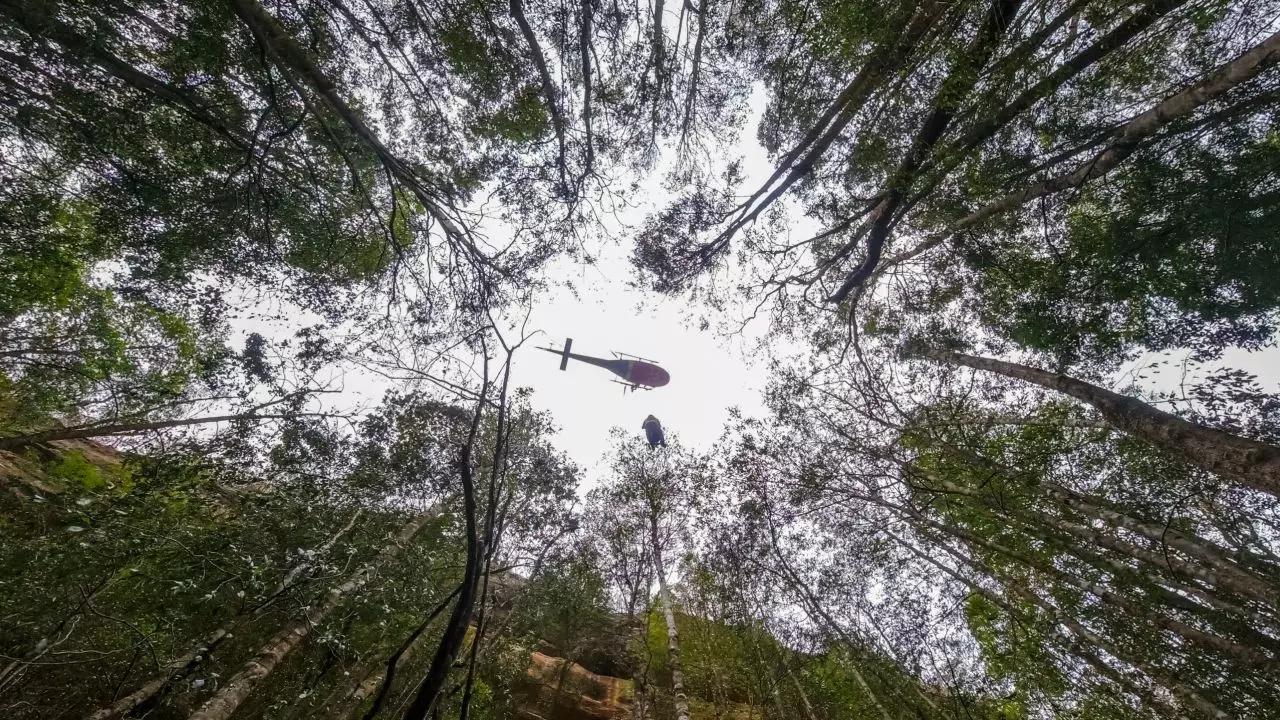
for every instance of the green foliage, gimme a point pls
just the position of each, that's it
(75, 469)
(1180, 252)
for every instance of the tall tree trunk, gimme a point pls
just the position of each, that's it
(880, 65)
(804, 697)
(952, 91)
(1192, 545)
(382, 681)
(1252, 463)
(1243, 585)
(1124, 142)
(1171, 683)
(455, 631)
(548, 86)
(816, 612)
(238, 687)
(183, 665)
(984, 130)
(122, 428)
(288, 54)
(1134, 608)
(673, 634)
(1127, 138)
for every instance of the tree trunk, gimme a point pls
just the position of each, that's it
(1127, 138)
(548, 85)
(1245, 655)
(182, 665)
(804, 697)
(1242, 585)
(1190, 545)
(957, 86)
(1245, 586)
(426, 700)
(815, 608)
(238, 687)
(1172, 684)
(673, 635)
(121, 428)
(982, 131)
(882, 63)
(1252, 463)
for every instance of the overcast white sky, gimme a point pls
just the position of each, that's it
(708, 376)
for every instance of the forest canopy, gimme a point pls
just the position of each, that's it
(1001, 261)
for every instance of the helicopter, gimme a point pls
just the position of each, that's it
(639, 373)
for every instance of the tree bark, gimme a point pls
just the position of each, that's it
(1127, 138)
(1250, 462)
(181, 665)
(673, 634)
(238, 687)
(1172, 684)
(122, 428)
(177, 667)
(1190, 545)
(1245, 655)
(285, 51)
(1243, 585)
(548, 86)
(980, 132)
(455, 630)
(957, 86)
(383, 680)
(686, 124)
(881, 64)
(815, 608)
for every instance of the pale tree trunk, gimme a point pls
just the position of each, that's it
(168, 674)
(291, 57)
(1084, 652)
(1242, 584)
(238, 687)
(1172, 684)
(1174, 593)
(1245, 585)
(1127, 138)
(982, 131)
(804, 697)
(815, 608)
(1252, 463)
(1245, 655)
(769, 675)
(1190, 545)
(184, 664)
(1123, 144)
(123, 428)
(673, 635)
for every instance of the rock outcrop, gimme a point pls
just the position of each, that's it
(558, 689)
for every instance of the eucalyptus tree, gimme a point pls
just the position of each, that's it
(649, 499)
(169, 167)
(254, 582)
(1098, 570)
(208, 558)
(1003, 165)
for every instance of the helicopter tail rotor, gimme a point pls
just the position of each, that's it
(564, 358)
